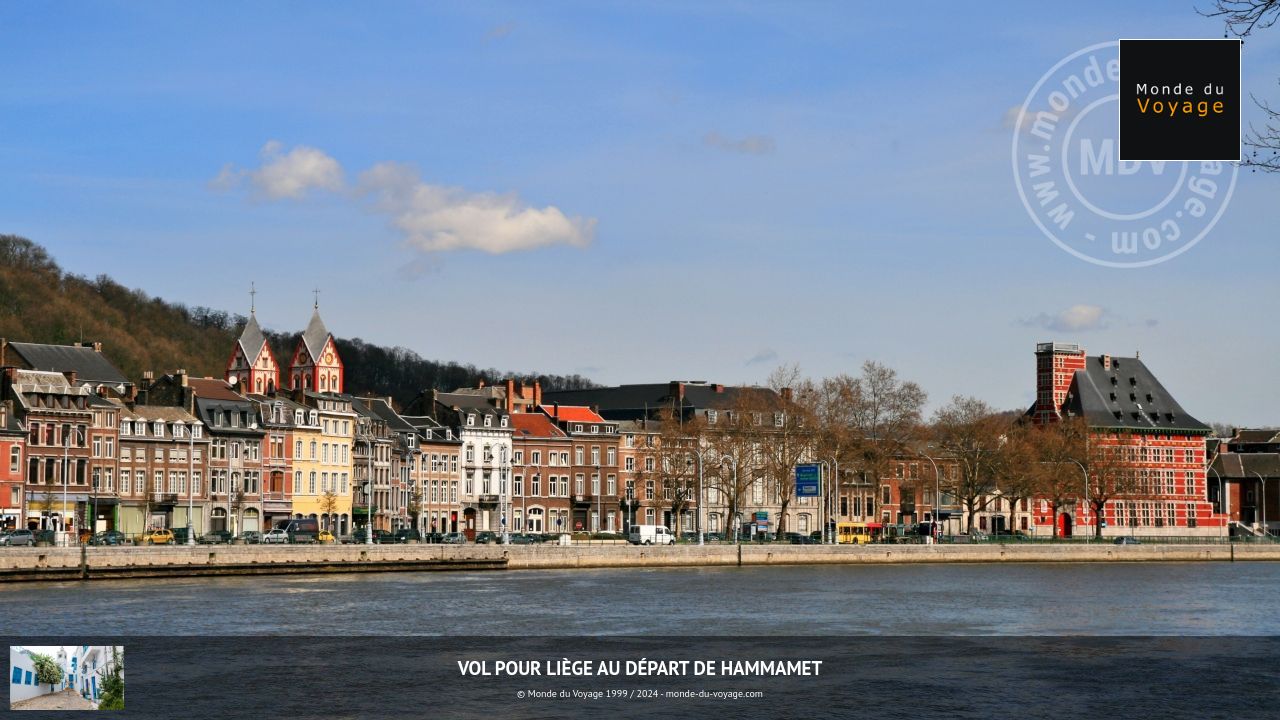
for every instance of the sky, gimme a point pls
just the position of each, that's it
(637, 192)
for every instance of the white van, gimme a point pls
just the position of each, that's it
(651, 535)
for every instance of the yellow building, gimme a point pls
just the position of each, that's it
(322, 460)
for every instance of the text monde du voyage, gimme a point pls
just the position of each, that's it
(564, 667)
(1179, 99)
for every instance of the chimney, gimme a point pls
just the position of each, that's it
(786, 394)
(1106, 362)
(676, 390)
(718, 388)
(71, 376)
(481, 383)
(511, 394)
(182, 377)
(537, 392)
(555, 411)
(97, 347)
(4, 350)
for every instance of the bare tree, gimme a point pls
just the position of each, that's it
(884, 415)
(786, 435)
(1241, 18)
(1016, 469)
(734, 457)
(1111, 475)
(971, 434)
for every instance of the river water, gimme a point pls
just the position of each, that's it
(1197, 599)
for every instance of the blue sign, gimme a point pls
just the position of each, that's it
(808, 480)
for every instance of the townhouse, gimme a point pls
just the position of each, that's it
(540, 453)
(12, 460)
(436, 475)
(163, 464)
(595, 500)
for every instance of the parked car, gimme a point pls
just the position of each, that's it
(217, 537)
(487, 537)
(406, 535)
(250, 537)
(278, 536)
(325, 537)
(18, 537)
(162, 536)
(453, 539)
(525, 539)
(379, 536)
(799, 539)
(108, 537)
(1128, 540)
(434, 538)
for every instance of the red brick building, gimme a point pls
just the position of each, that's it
(1160, 444)
(594, 492)
(12, 442)
(540, 453)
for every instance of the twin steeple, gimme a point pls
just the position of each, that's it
(315, 365)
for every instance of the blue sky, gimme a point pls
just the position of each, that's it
(682, 190)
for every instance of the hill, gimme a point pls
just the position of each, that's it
(41, 303)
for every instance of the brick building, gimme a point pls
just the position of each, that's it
(540, 453)
(1244, 480)
(594, 493)
(1162, 447)
(12, 443)
(163, 465)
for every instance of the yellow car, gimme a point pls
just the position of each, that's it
(325, 537)
(158, 537)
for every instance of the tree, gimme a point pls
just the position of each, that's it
(672, 454)
(415, 503)
(47, 670)
(328, 505)
(733, 458)
(113, 682)
(971, 434)
(786, 437)
(1016, 470)
(1059, 478)
(1241, 18)
(1111, 474)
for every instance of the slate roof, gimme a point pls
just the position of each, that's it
(315, 336)
(89, 365)
(1127, 396)
(252, 338)
(1244, 465)
(1251, 437)
(473, 403)
(379, 408)
(625, 402)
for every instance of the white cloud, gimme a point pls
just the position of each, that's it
(432, 218)
(1077, 318)
(285, 175)
(749, 145)
(435, 218)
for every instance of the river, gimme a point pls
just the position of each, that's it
(998, 599)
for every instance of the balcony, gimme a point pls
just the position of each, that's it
(487, 499)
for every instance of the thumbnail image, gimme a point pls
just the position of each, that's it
(66, 677)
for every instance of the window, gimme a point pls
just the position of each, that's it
(15, 459)
(629, 463)
(535, 485)
(611, 456)
(579, 484)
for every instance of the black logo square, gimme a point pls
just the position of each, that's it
(1180, 100)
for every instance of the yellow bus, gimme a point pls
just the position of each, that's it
(859, 533)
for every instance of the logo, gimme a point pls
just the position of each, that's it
(1103, 210)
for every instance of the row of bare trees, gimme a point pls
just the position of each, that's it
(866, 425)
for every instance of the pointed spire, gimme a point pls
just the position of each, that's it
(253, 291)
(316, 293)
(316, 335)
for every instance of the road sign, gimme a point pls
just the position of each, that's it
(808, 480)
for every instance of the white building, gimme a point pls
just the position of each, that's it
(88, 665)
(22, 677)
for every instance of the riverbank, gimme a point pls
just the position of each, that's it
(35, 564)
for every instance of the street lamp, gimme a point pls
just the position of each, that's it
(93, 523)
(368, 516)
(735, 520)
(937, 496)
(1222, 497)
(191, 479)
(66, 446)
(1263, 482)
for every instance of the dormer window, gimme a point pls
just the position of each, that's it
(577, 428)
(141, 427)
(711, 417)
(595, 429)
(471, 420)
(126, 428)
(179, 430)
(504, 422)
(488, 420)
(777, 419)
(157, 428)
(197, 431)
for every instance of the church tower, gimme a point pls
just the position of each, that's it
(253, 367)
(316, 365)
